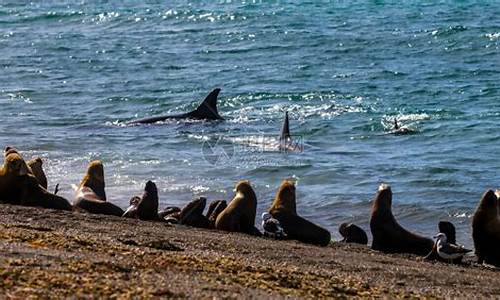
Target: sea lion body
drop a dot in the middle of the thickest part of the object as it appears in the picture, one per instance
(284, 210)
(239, 215)
(353, 234)
(19, 186)
(486, 230)
(146, 206)
(90, 195)
(388, 235)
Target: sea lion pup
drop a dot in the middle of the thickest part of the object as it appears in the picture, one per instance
(18, 186)
(486, 230)
(284, 210)
(353, 234)
(239, 215)
(90, 195)
(214, 209)
(146, 206)
(388, 235)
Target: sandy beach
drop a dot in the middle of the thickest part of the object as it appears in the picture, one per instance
(54, 254)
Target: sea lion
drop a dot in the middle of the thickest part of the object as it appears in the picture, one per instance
(35, 166)
(239, 215)
(353, 234)
(206, 111)
(170, 214)
(388, 235)
(284, 210)
(19, 186)
(192, 214)
(90, 195)
(14, 167)
(486, 230)
(214, 209)
(146, 206)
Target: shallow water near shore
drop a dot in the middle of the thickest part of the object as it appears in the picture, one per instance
(72, 75)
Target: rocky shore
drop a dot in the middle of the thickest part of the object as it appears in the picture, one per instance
(54, 254)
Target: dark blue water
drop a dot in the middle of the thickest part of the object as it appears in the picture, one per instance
(73, 72)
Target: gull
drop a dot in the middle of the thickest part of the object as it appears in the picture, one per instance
(448, 251)
(272, 227)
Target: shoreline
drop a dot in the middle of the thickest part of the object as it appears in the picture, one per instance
(50, 253)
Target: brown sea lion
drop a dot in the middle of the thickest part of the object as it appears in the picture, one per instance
(353, 234)
(388, 235)
(19, 186)
(35, 166)
(486, 230)
(146, 206)
(295, 227)
(239, 215)
(90, 195)
(214, 209)
(14, 167)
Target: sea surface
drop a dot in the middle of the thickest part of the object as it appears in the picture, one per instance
(73, 73)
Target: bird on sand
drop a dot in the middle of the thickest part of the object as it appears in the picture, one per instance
(448, 251)
(272, 227)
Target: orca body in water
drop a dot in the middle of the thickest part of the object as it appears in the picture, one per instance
(206, 111)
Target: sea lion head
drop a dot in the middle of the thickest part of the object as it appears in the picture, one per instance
(383, 200)
(343, 229)
(285, 197)
(94, 178)
(15, 165)
(245, 188)
(151, 188)
(489, 203)
(9, 150)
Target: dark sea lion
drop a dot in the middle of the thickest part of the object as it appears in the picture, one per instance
(36, 168)
(284, 210)
(214, 209)
(192, 214)
(170, 214)
(19, 186)
(239, 215)
(486, 230)
(353, 234)
(388, 235)
(146, 206)
(206, 111)
(90, 195)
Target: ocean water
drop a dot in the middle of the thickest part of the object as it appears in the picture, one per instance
(72, 73)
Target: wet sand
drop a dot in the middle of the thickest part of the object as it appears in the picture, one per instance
(53, 254)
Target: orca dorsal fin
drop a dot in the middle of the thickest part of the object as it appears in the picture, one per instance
(208, 108)
(285, 129)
